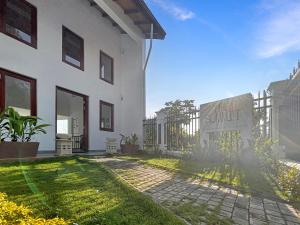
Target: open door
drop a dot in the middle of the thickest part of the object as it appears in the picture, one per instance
(72, 118)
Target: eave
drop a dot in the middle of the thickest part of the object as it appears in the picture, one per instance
(135, 11)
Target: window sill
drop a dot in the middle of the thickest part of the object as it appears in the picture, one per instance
(33, 45)
(77, 67)
(107, 130)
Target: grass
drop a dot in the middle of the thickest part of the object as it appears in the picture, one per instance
(246, 178)
(81, 191)
(197, 214)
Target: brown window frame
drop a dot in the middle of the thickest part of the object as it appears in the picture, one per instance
(33, 95)
(33, 23)
(112, 116)
(112, 67)
(85, 114)
(81, 67)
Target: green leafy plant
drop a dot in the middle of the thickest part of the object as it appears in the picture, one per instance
(157, 151)
(134, 139)
(129, 140)
(153, 150)
(229, 144)
(11, 213)
(186, 153)
(263, 150)
(289, 181)
(3, 127)
(19, 128)
(262, 147)
(199, 153)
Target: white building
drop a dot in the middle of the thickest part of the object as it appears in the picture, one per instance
(78, 65)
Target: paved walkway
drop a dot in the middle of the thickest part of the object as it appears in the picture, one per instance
(164, 185)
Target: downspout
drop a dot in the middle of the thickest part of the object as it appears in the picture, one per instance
(145, 66)
(150, 48)
(144, 76)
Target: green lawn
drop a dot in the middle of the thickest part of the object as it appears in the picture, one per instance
(79, 190)
(247, 178)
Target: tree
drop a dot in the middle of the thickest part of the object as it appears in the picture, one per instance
(179, 107)
(178, 113)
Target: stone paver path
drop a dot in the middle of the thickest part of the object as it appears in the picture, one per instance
(164, 185)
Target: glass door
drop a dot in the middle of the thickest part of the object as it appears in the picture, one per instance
(71, 118)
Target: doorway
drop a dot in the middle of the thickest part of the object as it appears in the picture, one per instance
(72, 118)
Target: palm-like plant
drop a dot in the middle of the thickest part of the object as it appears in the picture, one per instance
(20, 128)
(32, 128)
(3, 127)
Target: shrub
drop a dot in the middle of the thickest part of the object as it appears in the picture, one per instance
(129, 140)
(262, 147)
(263, 150)
(289, 181)
(15, 127)
(13, 214)
(199, 153)
(229, 145)
(154, 150)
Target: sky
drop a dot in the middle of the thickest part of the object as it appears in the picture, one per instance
(216, 49)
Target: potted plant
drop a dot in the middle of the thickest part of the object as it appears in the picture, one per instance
(3, 127)
(129, 144)
(16, 134)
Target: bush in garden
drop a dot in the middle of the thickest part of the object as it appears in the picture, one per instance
(289, 181)
(288, 178)
(263, 149)
(198, 152)
(13, 214)
(229, 144)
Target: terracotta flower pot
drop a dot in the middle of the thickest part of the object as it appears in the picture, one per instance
(18, 149)
(129, 149)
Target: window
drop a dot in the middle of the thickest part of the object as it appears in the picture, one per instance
(106, 116)
(18, 92)
(72, 49)
(18, 19)
(106, 68)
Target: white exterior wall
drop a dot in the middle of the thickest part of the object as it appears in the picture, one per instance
(46, 66)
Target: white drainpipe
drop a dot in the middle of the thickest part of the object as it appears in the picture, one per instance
(144, 70)
(145, 66)
(150, 48)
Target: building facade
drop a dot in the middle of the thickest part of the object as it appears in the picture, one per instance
(78, 65)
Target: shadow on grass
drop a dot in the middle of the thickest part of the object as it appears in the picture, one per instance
(246, 177)
(76, 189)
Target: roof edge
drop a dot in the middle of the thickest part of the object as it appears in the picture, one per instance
(144, 6)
